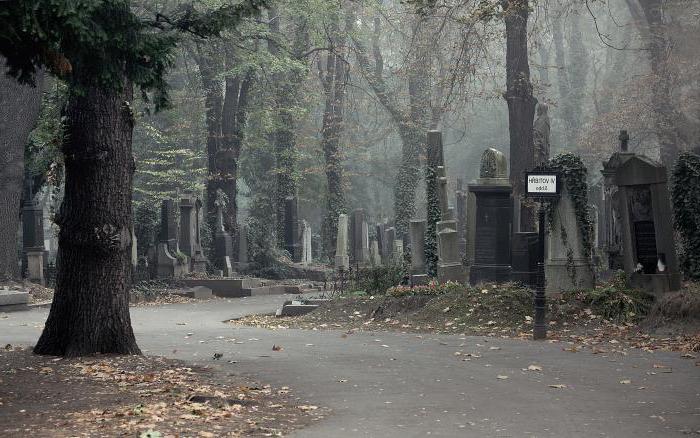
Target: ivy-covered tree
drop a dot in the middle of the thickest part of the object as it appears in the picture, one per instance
(103, 50)
(686, 210)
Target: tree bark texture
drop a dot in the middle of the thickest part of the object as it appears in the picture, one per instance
(226, 111)
(90, 310)
(521, 103)
(659, 47)
(19, 111)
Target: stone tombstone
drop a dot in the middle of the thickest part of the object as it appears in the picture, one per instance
(640, 221)
(442, 192)
(489, 241)
(381, 247)
(241, 263)
(418, 267)
(435, 149)
(359, 249)
(397, 251)
(306, 253)
(223, 243)
(567, 268)
(190, 234)
(449, 260)
(342, 260)
(169, 261)
(35, 265)
(540, 135)
(375, 256)
(389, 238)
(134, 249)
(291, 228)
(33, 239)
(461, 201)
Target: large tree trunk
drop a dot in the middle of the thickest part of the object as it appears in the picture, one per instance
(90, 310)
(331, 131)
(19, 111)
(521, 103)
(659, 46)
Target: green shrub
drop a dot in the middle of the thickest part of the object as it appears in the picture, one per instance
(615, 301)
(378, 279)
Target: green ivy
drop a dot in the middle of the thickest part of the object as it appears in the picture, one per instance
(434, 216)
(685, 192)
(575, 176)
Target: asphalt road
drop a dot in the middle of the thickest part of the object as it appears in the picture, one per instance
(403, 385)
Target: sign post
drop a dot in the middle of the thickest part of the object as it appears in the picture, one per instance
(542, 187)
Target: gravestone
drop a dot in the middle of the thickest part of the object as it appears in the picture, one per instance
(291, 228)
(306, 256)
(381, 246)
(389, 238)
(241, 263)
(374, 254)
(134, 249)
(190, 232)
(418, 267)
(342, 260)
(461, 201)
(567, 267)
(442, 193)
(449, 260)
(492, 219)
(640, 221)
(397, 251)
(359, 249)
(169, 261)
(223, 245)
(597, 199)
(35, 256)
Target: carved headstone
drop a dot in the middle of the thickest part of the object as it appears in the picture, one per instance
(223, 244)
(169, 261)
(306, 256)
(449, 260)
(359, 242)
(418, 268)
(190, 234)
(489, 241)
(639, 220)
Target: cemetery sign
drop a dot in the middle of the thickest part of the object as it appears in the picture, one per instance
(543, 184)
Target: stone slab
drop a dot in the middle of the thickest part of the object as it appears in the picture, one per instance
(197, 292)
(13, 297)
(225, 287)
(296, 309)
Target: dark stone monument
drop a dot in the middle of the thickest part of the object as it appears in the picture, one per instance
(641, 225)
(190, 234)
(493, 217)
(291, 228)
(169, 261)
(223, 246)
(359, 241)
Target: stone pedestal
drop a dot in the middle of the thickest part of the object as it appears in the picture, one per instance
(190, 234)
(567, 268)
(36, 259)
(449, 262)
(492, 233)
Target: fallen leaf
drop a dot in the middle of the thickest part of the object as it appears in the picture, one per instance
(625, 382)
(558, 386)
(534, 368)
(502, 377)
(277, 348)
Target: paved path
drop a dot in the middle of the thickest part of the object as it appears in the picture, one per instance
(403, 385)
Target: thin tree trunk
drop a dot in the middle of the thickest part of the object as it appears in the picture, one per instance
(90, 310)
(19, 111)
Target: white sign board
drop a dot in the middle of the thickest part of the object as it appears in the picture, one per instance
(542, 184)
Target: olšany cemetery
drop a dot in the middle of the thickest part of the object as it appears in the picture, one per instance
(350, 218)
